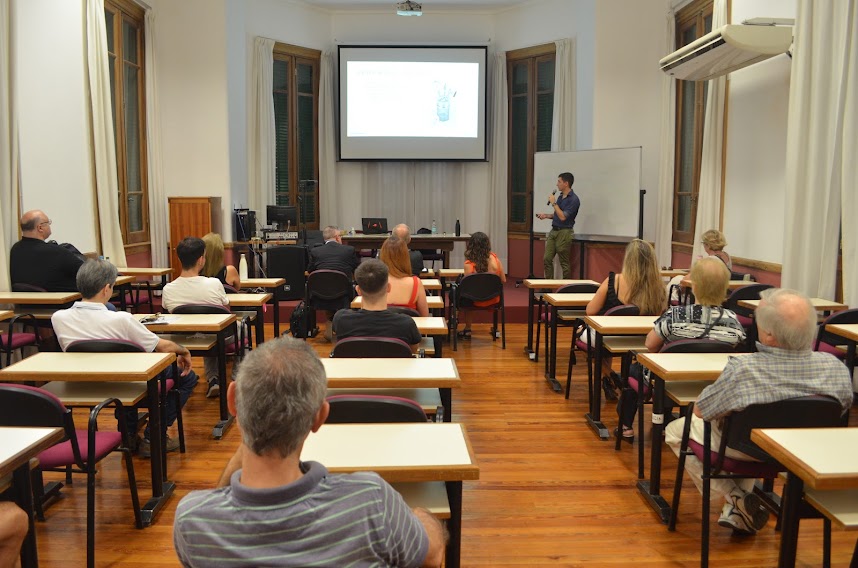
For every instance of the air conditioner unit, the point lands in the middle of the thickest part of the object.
(725, 50)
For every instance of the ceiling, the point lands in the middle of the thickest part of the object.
(428, 5)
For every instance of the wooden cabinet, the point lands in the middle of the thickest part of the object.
(191, 217)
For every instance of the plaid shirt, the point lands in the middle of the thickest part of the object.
(773, 374)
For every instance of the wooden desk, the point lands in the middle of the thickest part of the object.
(17, 446)
(112, 367)
(849, 332)
(57, 299)
(557, 301)
(532, 285)
(601, 326)
(275, 285)
(671, 367)
(145, 271)
(731, 285)
(402, 453)
(434, 302)
(673, 272)
(219, 325)
(6, 314)
(443, 242)
(431, 284)
(444, 273)
(811, 458)
(820, 304)
(257, 302)
(396, 373)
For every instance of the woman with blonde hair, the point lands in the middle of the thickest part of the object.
(639, 284)
(215, 267)
(406, 290)
(713, 242)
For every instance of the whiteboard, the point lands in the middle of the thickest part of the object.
(607, 182)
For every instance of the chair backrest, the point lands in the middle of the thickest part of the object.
(803, 412)
(366, 408)
(624, 310)
(104, 346)
(201, 309)
(32, 407)
(290, 263)
(697, 346)
(229, 289)
(21, 287)
(577, 289)
(844, 317)
(479, 287)
(742, 276)
(404, 310)
(749, 292)
(329, 285)
(387, 347)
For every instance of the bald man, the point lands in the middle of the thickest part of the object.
(403, 232)
(38, 263)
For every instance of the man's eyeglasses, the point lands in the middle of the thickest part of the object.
(48, 222)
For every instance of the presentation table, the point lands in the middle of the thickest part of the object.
(443, 242)
(275, 286)
(402, 453)
(671, 367)
(541, 284)
(109, 367)
(370, 373)
(811, 458)
(257, 302)
(849, 332)
(219, 325)
(601, 326)
(557, 301)
(17, 447)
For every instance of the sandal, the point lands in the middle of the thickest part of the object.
(464, 334)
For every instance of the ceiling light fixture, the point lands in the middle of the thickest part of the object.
(409, 8)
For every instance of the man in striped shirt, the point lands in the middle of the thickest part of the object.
(272, 509)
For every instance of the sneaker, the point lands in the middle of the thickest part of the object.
(214, 389)
(144, 449)
(731, 519)
(751, 508)
(329, 333)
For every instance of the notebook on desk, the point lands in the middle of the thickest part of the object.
(374, 225)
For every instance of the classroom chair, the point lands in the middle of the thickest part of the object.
(12, 340)
(370, 408)
(430, 254)
(479, 287)
(543, 312)
(359, 347)
(826, 341)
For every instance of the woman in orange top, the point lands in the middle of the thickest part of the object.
(480, 258)
(406, 291)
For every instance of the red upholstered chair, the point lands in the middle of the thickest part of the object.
(802, 412)
(11, 339)
(235, 347)
(749, 292)
(826, 341)
(368, 408)
(81, 449)
(386, 347)
(479, 287)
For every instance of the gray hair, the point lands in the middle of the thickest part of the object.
(789, 316)
(93, 276)
(403, 232)
(279, 388)
(330, 232)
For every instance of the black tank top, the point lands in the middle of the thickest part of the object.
(612, 300)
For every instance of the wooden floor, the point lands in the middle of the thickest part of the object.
(549, 494)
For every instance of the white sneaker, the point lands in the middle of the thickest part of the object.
(213, 390)
(731, 519)
(748, 508)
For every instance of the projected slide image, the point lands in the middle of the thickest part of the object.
(413, 99)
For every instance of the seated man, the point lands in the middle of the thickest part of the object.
(289, 510)
(784, 367)
(333, 255)
(90, 319)
(403, 232)
(191, 288)
(374, 319)
(38, 263)
(14, 526)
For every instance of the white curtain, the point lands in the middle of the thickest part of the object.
(821, 174)
(563, 120)
(8, 148)
(329, 210)
(709, 192)
(496, 227)
(667, 148)
(159, 232)
(261, 147)
(103, 144)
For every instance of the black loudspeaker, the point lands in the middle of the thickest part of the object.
(313, 239)
(245, 225)
(289, 262)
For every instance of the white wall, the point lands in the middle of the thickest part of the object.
(192, 75)
(756, 146)
(51, 98)
(627, 93)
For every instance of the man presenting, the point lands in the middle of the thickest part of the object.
(559, 240)
(35, 262)
(271, 508)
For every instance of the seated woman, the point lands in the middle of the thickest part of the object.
(480, 258)
(639, 284)
(406, 290)
(704, 320)
(214, 267)
(714, 243)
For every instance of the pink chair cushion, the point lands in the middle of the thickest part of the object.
(581, 344)
(739, 467)
(744, 320)
(231, 348)
(633, 383)
(61, 455)
(18, 340)
(828, 348)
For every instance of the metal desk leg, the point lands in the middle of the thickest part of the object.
(447, 403)
(651, 489)
(791, 505)
(528, 350)
(23, 496)
(276, 301)
(161, 488)
(260, 325)
(593, 417)
(454, 524)
(551, 354)
(225, 419)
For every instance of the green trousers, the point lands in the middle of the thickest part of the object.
(559, 242)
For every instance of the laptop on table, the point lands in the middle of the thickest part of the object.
(374, 225)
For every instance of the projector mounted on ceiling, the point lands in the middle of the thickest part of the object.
(409, 8)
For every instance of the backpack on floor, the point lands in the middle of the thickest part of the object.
(302, 324)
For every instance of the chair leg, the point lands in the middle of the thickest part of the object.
(538, 328)
(38, 484)
(455, 325)
(503, 326)
(90, 515)
(707, 482)
(826, 542)
(179, 424)
(132, 484)
(494, 325)
(680, 468)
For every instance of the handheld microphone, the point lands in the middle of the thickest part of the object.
(552, 193)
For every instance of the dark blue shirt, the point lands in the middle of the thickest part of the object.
(569, 205)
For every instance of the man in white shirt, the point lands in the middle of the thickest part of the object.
(90, 319)
(191, 288)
